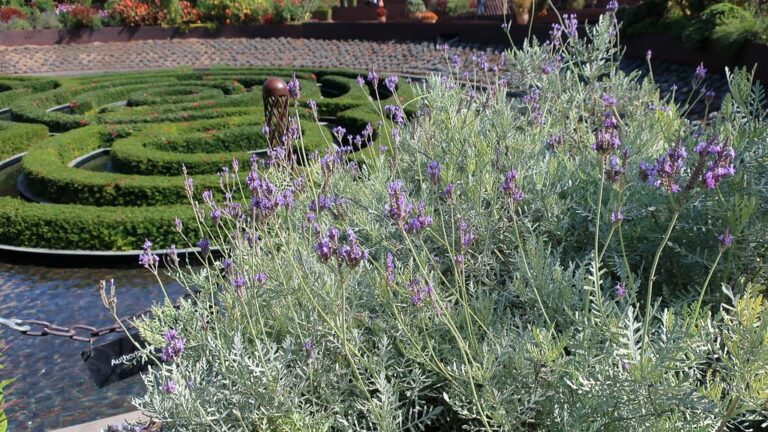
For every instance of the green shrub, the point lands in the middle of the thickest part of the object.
(200, 119)
(16, 138)
(203, 147)
(414, 6)
(45, 20)
(730, 23)
(76, 227)
(15, 24)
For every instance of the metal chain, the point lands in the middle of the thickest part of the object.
(77, 332)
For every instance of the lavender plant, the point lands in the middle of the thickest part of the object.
(582, 258)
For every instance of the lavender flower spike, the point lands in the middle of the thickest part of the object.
(510, 188)
(294, 88)
(391, 83)
(725, 239)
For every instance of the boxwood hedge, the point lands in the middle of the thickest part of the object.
(153, 123)
(16, 138)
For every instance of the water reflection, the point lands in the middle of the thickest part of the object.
(52, 387)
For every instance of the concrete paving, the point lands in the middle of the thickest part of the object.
(98, 425)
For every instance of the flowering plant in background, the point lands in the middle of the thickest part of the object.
(284, 11)
(233, 11)
(80, 16)
(8, 13)
(137, 13)
(491, 263)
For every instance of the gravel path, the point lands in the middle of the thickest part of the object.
(417, 58)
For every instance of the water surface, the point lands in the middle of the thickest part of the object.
(52, 387)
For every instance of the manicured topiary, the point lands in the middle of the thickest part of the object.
(16, 138)
(153, 124)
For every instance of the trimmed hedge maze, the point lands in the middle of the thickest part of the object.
(152, 124)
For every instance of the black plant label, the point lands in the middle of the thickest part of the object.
(115, 360)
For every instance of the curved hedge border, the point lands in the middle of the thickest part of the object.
(153, 123)
(16, 138)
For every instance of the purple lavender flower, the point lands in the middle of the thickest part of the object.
(701, 72)
(367, 131)
(391, 83)
(264, 194)
(398, 208)
(556, 34)
(208, 197)
(148, 260)
(169, 387)
(422, 221)
(294, 88)
(614, 170)
(532, 101)
(455, 62)
(238, 283)
(308, 346)
(339, 132)
(146, 246)
(265, 130)
(608, 100)
(555, 141)
(448, 192)
(260, 278)
(313, 106)
(722, 164)
(226, 264)
(216, 216)
(609, 121)
(328, 246)
(620, 290)
(510, 188)
(571, 25)
(648, 55)
(607, 139)
(351, 253)
(285, 199)
(466, 238)
(390, 268)
(174, 345)
(418, 291)
(612, 6)
(179, 225)
(458, 260)
(360, 81)
(617, 217)
(234, 210)
(373, 78)
(172, 254)
(433, 171)
(395, 135)
(665, 173)
(725, 239)
(719, 168)
(205, 247)
(395, 113)
(709, 97)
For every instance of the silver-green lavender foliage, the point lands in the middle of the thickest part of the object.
(504, 302)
